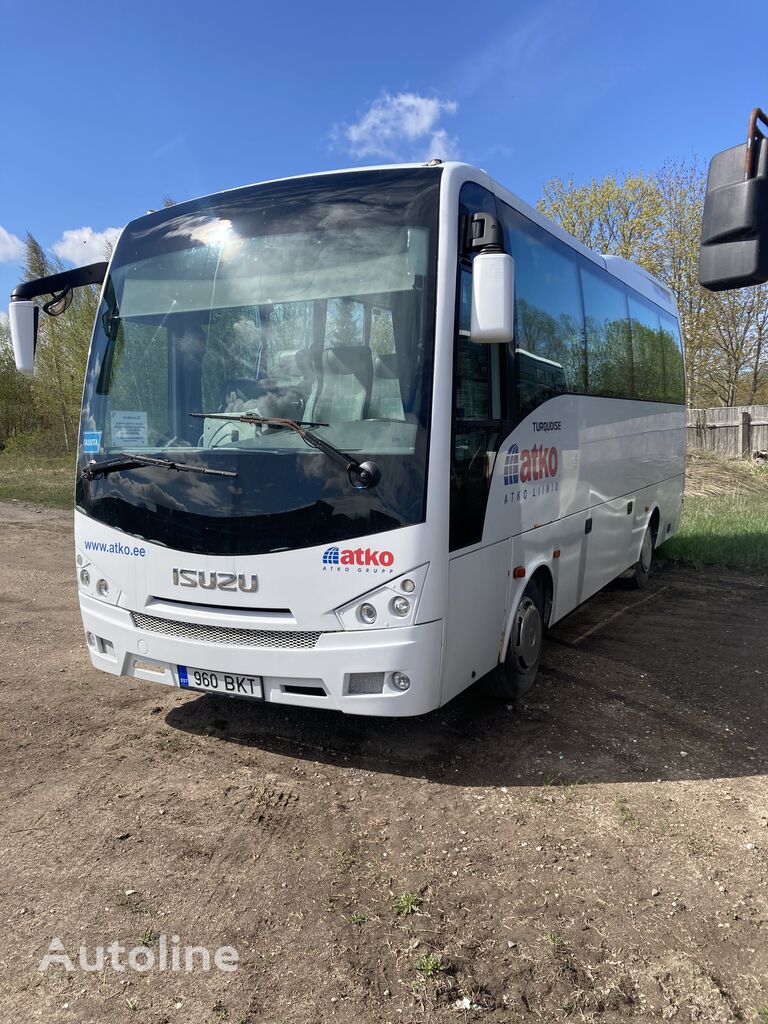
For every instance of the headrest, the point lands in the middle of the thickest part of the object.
(286, 362)
(349, 359)
(386, 366)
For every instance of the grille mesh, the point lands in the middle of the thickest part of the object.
(224, 634)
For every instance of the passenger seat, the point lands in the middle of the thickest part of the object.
(345, 389)
(386, 399)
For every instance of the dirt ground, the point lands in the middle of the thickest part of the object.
(599, 852)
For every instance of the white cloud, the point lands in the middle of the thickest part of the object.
(84, 245)
(11, 247)
(401, 127)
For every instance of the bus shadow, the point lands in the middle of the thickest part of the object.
(660, 684)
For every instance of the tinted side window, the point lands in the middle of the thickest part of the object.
(672, 354)
(646, 350)
(549, 327)
(610, 368)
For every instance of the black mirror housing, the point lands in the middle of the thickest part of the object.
(734, 230)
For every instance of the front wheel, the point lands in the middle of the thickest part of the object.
(514, 676)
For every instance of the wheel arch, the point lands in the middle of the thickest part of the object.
(654, 522)
(541, 574)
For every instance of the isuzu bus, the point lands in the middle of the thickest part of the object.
(354, 440)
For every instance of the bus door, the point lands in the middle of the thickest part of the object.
(479, 564)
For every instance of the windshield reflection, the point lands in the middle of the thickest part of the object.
(307, 301)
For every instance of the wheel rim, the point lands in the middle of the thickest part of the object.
(527, 635)
(646, 553)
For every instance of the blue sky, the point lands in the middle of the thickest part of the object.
(107, 108)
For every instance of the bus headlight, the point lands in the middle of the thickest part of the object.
(93, 582)
(387, 605)
(367, 613)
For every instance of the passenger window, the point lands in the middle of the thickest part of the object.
(672, 354)
(646, 350)
(610, 369)
(549, 326)
(382, 332)
(344, 324)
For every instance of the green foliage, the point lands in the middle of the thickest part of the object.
(48, 405)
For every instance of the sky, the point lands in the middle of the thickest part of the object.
(108, 108)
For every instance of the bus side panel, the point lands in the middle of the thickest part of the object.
(477, 613)
(609, 543)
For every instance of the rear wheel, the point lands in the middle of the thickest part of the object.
(641, 571)
(514, 676)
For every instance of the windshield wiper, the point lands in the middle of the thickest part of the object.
(130, 460)
(361, 475)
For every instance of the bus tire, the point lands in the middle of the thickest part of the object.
(641, 570)
(513, 677)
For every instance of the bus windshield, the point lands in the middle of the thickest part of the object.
(310, 300)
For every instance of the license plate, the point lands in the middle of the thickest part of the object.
(220, 682)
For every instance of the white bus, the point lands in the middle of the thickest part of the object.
(354, 440)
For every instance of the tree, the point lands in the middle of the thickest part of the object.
(62, 351)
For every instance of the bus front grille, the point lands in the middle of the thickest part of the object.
(225, 634)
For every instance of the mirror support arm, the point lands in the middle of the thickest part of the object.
(79, 277)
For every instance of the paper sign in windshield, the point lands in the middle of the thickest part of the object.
(129, 429)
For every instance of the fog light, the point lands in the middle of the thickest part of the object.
(102, 587)
(85, 577)
(401, 606)
(367, 613)
(408, 586)
(401, 680)
(91, 639)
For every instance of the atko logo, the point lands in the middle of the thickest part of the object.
(361, 559)
(530, 466)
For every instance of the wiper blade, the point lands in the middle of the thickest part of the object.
(130, 460)
(361, 475)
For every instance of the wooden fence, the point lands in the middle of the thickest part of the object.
(737, 432)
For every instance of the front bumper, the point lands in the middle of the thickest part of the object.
(121, 648)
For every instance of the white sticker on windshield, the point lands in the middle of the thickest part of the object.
(129, 429)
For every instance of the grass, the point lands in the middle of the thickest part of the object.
(407, 904)
(39, 479)
(429, 965)
(725, 515)
(729, 530)
(626, 815)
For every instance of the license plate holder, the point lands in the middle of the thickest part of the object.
(233, 684)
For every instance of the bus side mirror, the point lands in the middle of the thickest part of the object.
(734, 229)
(23, 315)
(493, 298)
